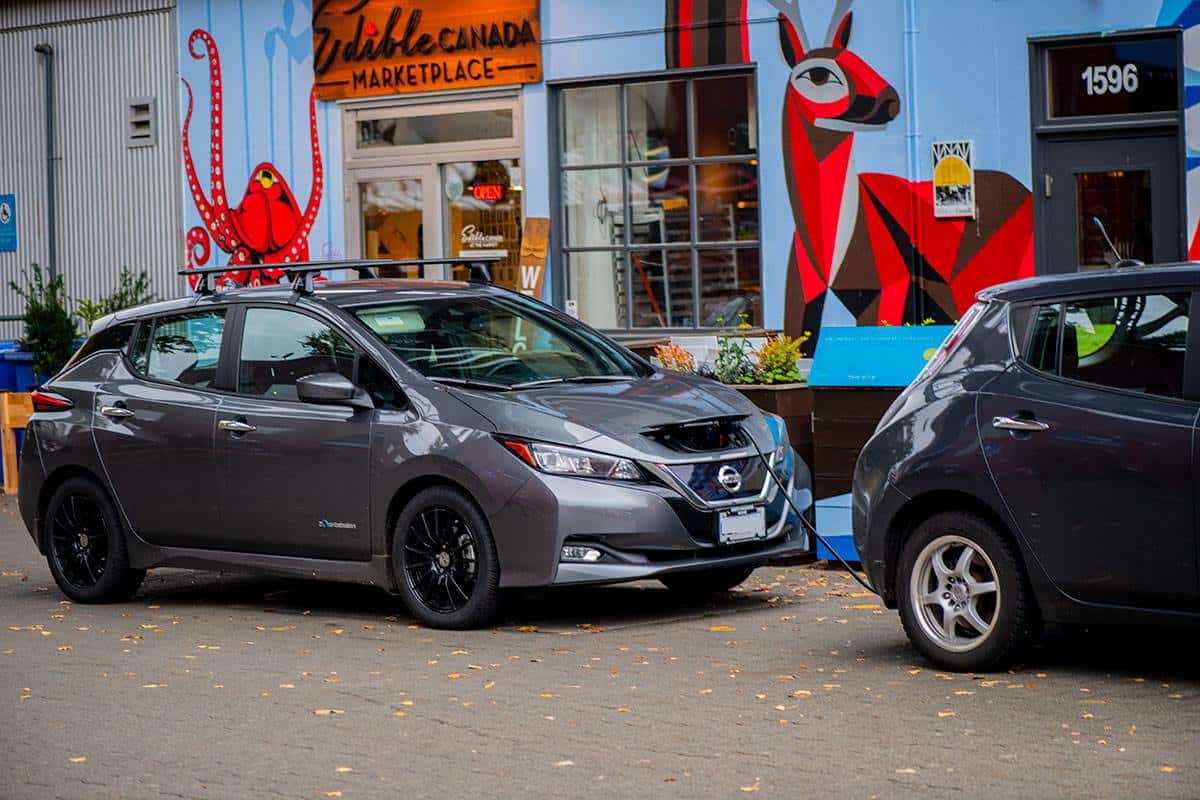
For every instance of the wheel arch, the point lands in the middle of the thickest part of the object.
(406, 492)
(922, 507)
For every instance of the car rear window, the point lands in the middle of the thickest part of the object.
(114, 337)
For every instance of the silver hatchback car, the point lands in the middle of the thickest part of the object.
(445, 440)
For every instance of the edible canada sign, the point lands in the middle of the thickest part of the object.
(373, 47)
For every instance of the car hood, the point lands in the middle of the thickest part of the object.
(613, 417)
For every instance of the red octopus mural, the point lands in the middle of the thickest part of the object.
(267, 226)
(872, 239)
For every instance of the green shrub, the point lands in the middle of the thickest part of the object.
(132, 290)
(49, 329)
(733, 363)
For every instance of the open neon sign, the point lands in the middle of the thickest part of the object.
(488, 192)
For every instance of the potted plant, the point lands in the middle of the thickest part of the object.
(49, 329)
(771, 379)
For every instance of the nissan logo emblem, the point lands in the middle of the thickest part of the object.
(729, 478)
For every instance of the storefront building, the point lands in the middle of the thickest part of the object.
(701, 163)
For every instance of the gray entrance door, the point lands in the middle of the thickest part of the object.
(1131, 183)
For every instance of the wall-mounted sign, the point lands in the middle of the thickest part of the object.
(954, 179)
(488, 192)
(8, 223)
(374, 47)
(1134, 75)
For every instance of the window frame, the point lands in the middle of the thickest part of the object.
(1191, 359)
(561, 252)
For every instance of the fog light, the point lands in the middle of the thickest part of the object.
(574, 552)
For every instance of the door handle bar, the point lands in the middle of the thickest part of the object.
(119, 412)
(236, 426)
(1010, 424)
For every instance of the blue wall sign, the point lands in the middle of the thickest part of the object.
(890, 356)
(8, 223)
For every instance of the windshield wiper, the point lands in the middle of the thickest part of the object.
(575, 379)
(469, 383)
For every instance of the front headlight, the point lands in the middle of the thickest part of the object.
(558, 460)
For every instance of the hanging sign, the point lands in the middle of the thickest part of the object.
(528, 275)
(954, 179)
(379, 47)
(8, 223)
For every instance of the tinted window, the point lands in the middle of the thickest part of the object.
(1131, 342)
(1042, 352)
(279, 346)
(184, 348)
(114, 337)
(383, 390)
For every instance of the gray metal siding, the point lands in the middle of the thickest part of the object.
(39, 13)
(117, 206)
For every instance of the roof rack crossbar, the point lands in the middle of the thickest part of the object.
(302, 273)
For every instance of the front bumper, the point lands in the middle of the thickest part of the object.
(643, 531)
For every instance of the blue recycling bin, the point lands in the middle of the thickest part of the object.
(22, 365)
(8, 375)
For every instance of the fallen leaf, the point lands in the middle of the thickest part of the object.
(154, 686)
(77, 759)
(332, 794)
(723, 629)
(326, 712)
(867, 606)
(344, 769)
(906, 771)
(399, 713)
(752, 788)
(1167, 769)
(623, 710)
(527, 629)
(944, 714)
(489, 684)
(565, 763)
(454, 676)
(548, 696)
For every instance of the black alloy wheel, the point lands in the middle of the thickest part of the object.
(79, 539)
(444, 560)
(440, 561)
(85, 545)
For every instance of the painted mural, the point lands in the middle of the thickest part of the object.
(277, 155)
(1186, 14)
(868, 239)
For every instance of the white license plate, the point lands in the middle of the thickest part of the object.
(741, 524)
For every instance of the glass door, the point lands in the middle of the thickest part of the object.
(397, 213)
(482, 213)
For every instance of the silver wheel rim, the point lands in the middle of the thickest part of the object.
(954, 593)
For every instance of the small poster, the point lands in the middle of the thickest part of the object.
(8, 223)
(954, 179)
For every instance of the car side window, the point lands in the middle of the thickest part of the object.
(183, 348)
(379, 385)
(279, 346)
(1135, 343)
(1042, 352)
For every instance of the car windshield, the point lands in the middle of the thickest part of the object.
(494, 342)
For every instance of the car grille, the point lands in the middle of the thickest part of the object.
(704, 479)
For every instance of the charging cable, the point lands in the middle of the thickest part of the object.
(804, 520)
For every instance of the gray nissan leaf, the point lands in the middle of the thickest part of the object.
(447, 441)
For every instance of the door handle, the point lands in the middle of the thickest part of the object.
(1027, 425)
(235, 426)
(116, 412)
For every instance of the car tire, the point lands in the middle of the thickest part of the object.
(85, 545)
(444, 561)
(964, 613)
(705, 582)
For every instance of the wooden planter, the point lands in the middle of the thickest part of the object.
(793, 402)
(843, 420)
(15, 410)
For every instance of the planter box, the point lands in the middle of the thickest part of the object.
(843, 420)
(793, 402)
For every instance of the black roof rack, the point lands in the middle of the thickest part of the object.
(301, 273)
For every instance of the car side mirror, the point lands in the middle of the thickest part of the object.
(331, 389)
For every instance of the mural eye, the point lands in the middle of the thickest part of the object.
(820, 83)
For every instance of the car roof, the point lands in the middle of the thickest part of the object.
(1157, 276)
(339, 293)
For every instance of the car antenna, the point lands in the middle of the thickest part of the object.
(1118, 261)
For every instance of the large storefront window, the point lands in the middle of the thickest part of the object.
(659, 202)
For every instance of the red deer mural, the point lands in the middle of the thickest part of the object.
(267, 226)
(871, 239)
